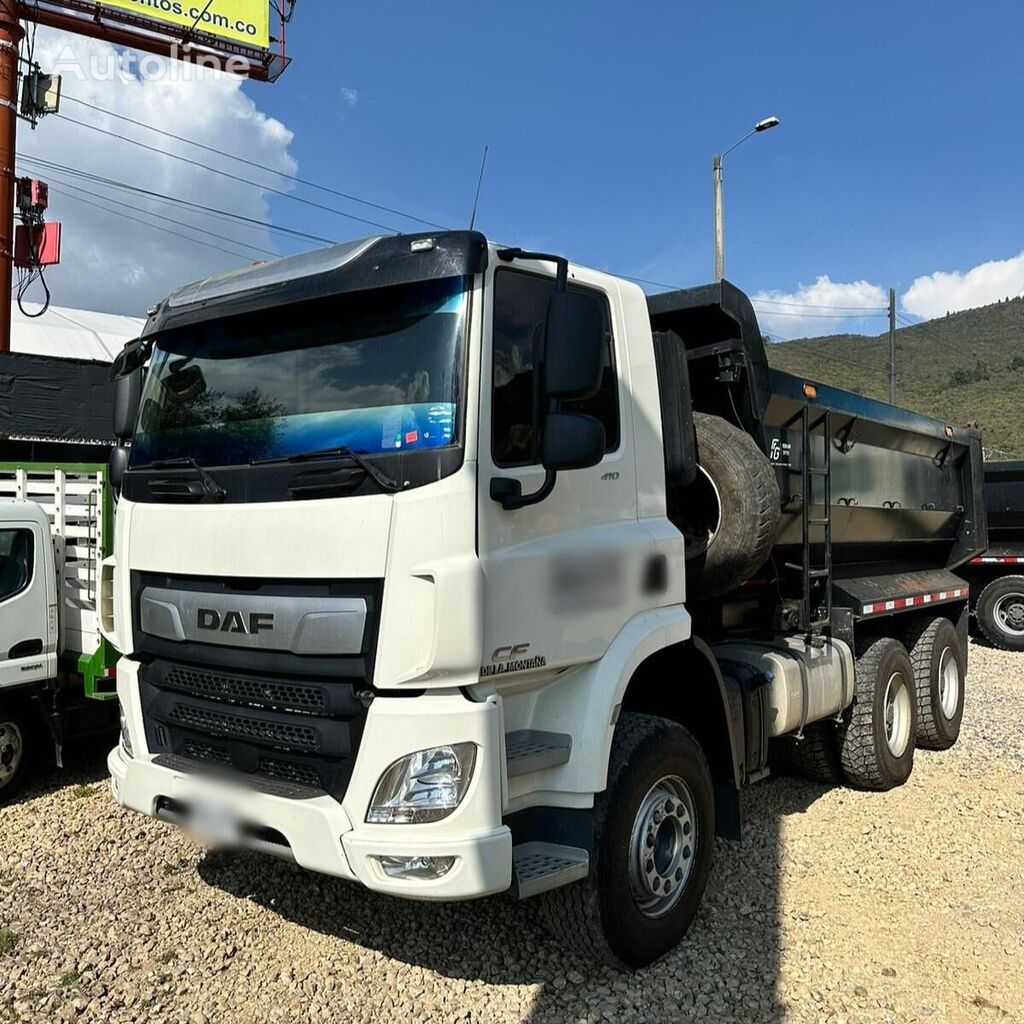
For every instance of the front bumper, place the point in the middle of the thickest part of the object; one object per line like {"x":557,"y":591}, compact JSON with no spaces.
{"x":323,"y":835}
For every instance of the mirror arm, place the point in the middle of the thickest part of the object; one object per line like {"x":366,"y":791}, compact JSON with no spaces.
{"x":561,"y":263}
{"x":509,"y":491}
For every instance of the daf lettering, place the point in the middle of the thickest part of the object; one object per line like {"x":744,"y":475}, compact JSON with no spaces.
{"x":234,"y":622}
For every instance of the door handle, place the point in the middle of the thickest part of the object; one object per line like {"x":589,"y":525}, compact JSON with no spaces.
{"x":25,"y":649}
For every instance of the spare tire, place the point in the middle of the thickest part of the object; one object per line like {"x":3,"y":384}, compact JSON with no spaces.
{"x":730,"y":514}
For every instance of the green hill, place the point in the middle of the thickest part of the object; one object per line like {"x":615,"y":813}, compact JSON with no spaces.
{"x":964,"y":368}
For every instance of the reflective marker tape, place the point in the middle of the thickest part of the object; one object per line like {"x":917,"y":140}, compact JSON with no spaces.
{"x":901,"y":603}
{"x":998,"y":560}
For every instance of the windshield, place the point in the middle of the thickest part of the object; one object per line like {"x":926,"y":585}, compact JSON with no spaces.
{"x":376,"y":371}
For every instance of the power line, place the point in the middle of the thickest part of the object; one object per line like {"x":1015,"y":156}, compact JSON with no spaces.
{"x":232,"y":177}
{"x":64,"y":184}
{"x":255,"y":164}
{"x":155,"y":227}
{"x":214,"y":211}
{"x":822,"y":316}
{"x":813,"y":305}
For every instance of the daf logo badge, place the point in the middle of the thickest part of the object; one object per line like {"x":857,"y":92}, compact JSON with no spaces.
{"x":234,"y":622}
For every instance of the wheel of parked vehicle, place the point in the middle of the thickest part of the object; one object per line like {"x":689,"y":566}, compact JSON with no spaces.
{"x":877,"y":733}
{"x":940,"y":668}
{"x":730,"y":514}
{"x":816,"y":755}
{"x":1000,"y":612}
{"x":15,"y":749}
{"x":654,"y":830}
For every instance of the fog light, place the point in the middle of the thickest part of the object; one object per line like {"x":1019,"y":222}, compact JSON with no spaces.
{"x":126,"y":739}
{"x":425,"y":786}
{"x":424,"y":868}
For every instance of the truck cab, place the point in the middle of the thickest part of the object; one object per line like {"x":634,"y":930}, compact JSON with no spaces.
{"x":28,"y":598}
{"x":401,"y":599}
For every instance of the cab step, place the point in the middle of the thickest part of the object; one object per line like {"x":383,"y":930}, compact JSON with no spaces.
{"x":531,"y":750}
{"x":537,"y":867}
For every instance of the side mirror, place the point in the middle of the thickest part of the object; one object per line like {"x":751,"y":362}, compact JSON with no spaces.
{"x":131,"y":358}
{"x":571,"y":441}
{"x":127,"y":397}
{"x":116,"y":466}
{"x":573,"y":346}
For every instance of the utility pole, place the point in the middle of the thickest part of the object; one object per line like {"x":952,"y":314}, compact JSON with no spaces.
{"x":10,"y":37}
{"x":892,"y":346}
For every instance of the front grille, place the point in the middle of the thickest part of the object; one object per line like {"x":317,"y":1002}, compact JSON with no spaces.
{"x":284,"y":731}
{"x":270,"y":767}
{"x":219,"y":723}
{"x":270,"y":693}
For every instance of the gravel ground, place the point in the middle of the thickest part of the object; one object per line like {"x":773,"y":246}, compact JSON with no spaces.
{"x":838,"y":906}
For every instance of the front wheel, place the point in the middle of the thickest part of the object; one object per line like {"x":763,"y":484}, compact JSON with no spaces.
{"x":15,"y":748}
{"x":654,"y":830}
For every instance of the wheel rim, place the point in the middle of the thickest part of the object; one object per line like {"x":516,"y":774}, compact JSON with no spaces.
{"x":897,"y":714}
{"x":1009,"y":613}
{"x":663,"y":846}
{"x":701,"y":519}
{"x":949,"y":682}
{"x":12,"y":749}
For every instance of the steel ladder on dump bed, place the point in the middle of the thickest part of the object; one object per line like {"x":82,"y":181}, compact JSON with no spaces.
{"x":815,"y":566}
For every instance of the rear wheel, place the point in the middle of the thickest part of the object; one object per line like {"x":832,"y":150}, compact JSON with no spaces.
{"x":877,"y":732}
{"x":15,"y":748}
{"x":939,"y":660}
{"x":816,"y":755}
{"x":654,"y":829}
{"x":1000,"y":612}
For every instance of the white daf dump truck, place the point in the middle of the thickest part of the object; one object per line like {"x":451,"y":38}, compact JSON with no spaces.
{"x":452,"y":569}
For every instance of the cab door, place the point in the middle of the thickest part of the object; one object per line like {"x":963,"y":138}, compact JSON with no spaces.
{"x":562,"y":576}
{"x":28,"y":609}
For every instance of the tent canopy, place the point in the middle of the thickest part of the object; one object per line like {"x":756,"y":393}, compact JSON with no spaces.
{"x":72,"y":333}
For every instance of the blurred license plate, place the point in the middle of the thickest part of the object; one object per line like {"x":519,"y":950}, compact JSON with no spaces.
{"x":214,"y":823}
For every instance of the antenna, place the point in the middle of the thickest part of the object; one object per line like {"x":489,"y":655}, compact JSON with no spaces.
{"x":479,"y":183}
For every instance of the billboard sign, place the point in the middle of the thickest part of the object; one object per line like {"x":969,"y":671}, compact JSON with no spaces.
{"x":241,"y":21}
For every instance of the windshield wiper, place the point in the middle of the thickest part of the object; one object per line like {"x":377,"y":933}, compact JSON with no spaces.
{"x":213,"y":489}
{"x":380,"y":478}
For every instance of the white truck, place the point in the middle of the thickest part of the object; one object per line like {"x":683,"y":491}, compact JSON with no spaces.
{"x":453,"y":569}
{"x":56,"y":668}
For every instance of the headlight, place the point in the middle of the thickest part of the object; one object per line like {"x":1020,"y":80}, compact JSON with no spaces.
{"x":425,"y":786}
{"x":126,"y":739}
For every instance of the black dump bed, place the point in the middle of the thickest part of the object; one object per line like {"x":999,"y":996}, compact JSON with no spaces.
{"x":1004,"y":500}
{"x":906,"y":490}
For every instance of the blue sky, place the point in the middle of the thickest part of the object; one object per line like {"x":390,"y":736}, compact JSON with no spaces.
{"x":899,"y":152}
{"x":897,"y":164}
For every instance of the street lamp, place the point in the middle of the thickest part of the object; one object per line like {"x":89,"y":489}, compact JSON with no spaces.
{"x":761,"y":126}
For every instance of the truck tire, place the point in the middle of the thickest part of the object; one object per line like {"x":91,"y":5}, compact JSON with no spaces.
{"x":1000,"y":612}
{"x":16,"y":743}
{"x":731,"y":513}
{"x":816,"y":755}
{"x":878,"y":730}
{"x":654,"y":833}
{"x":940,"y":668}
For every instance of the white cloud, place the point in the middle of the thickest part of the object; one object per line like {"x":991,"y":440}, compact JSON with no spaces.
{"x":948,"y":291}
{"x":824,"y":307}
{"x":349,"y":95}
{"x":113,"y":264}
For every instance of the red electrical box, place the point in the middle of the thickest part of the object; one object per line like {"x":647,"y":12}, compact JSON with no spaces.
{"x":47,"y":245}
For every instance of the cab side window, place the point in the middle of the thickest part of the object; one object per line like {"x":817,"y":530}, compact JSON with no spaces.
{"x":16,"y":551}
{"x":520,"y":309}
